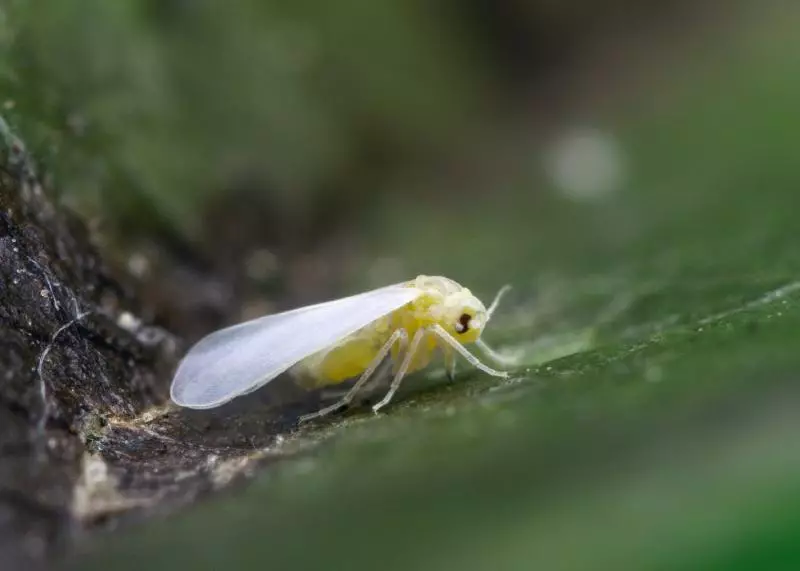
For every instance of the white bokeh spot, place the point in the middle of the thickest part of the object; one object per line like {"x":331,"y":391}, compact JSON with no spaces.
{"x":586,"y":164}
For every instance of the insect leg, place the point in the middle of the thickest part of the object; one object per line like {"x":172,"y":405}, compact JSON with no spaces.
{"x":474,"y":361}
{"x":496,"y":301}
{"x":494,"y":355}
{"x":401,"y":372}
{"x":450,"y":364}
{"x":399,"y":335}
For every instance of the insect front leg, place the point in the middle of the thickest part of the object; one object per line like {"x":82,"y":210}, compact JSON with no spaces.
{"x":495,"y":356}
{"x":440,"y":332}
{"x":401,"y":372}
{"x":399,"y":336}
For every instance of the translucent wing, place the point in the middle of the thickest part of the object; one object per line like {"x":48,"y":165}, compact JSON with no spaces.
{"x":242,"y":358}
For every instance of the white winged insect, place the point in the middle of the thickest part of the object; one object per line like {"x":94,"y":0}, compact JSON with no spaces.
{"x":328,"y":343}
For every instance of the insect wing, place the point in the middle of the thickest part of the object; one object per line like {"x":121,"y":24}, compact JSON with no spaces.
{"x":242,"y":358}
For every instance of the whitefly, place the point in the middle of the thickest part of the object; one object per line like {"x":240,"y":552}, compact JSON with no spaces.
{"x":328,"y":343}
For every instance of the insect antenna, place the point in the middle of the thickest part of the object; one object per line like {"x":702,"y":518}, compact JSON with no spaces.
{"x":496,"y":301}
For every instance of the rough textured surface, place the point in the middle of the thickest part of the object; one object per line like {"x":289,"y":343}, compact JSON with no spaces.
{"x":68,"y":362}
{"x":82,"y":439}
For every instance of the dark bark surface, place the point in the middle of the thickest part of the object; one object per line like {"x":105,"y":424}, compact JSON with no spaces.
{"x":87,"y":439}
{"x":70,"y":358}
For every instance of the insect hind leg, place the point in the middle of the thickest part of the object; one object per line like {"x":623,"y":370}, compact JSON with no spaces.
{"x":399,"y":336}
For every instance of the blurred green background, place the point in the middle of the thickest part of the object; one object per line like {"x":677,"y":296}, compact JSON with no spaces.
{"x":630,"y":167}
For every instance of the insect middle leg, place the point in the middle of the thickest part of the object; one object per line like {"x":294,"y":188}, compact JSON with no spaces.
{"x":450,"y":364}
{"x":401,"y":372}
{"x":399,"y":336}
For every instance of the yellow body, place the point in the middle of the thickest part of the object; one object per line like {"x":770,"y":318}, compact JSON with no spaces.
{"x":441,"y":301}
